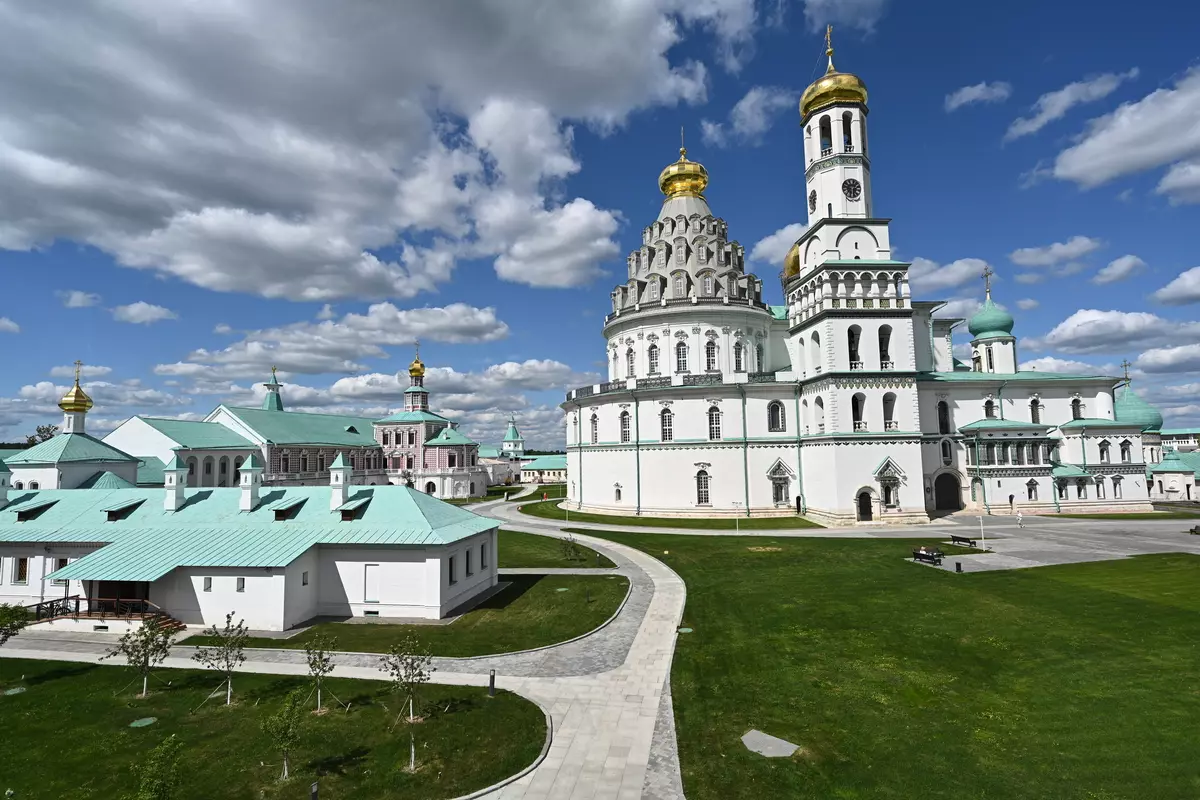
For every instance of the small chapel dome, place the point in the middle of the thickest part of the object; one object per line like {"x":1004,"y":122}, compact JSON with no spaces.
{"x":683,"y":178}
{"x":1131,"y":408}
{"x":991,"y":321}
{"x":832,"y":87}
{"x":76,"y":399}
{"x":417,"y":368}
{"x":791,"y":262}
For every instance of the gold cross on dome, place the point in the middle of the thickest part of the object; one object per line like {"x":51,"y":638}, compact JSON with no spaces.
{"x":987,"y":279}
{"x":273,"y":378}
{"x":828,"y":40}
{"x":78,"y":369}
{"x":1125,"y":365}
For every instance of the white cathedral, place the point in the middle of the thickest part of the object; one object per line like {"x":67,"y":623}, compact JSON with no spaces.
{"x":846,"y":404}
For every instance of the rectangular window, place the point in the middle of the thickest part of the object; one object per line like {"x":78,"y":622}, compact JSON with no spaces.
{"x":20,"y":573}
{"x":468,"y":565}
{"x":1081,"y":490}
{"x":451,"y":571}
{"x":60,"y":563}
{"x":1116,"y":490}
{"x":1099,"y":490}
{"x":483,"y":562}
{"x":304,"y":578}
{"x":241,"y":584}
{"x":208,"y":584}
{"x":1003,"y":453}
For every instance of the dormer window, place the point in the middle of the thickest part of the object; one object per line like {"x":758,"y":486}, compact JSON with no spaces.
{"x":119,"y":511}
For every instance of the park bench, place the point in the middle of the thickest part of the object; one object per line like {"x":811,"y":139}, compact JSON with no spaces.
{"x":963,"y":540}
{"x":929,"y":556}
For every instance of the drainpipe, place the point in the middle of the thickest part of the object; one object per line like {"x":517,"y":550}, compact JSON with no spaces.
{"x":579,"y":447}
{"x":982,"y":481}
{"x":799,"y":469}
{"x":745,"y":450}
{"x":1000,"y":397}
{"x":637,"y":449}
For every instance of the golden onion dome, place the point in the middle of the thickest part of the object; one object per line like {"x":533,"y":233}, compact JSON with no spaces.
{"x":76,"y":399}
{"x":417,"y":368}
{"x":791,"y":262}
{"x":832,"y":87}
{"x":683,"y":178}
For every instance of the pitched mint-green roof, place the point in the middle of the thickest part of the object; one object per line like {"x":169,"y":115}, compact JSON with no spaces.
{"x":296,"y":427}
{"x":1171,"y":462}
{"x":489,"y":451}
{"x":175,"y":464}
{"x":1005,"y":424}
{"x":511,"y":434}
{"x":1180,"y":431}
{"x":448,"y":436}
{"x":199,"y":435}
{"x":272,"y":401}
{"x":1097,"y":423}
{"x":1002,"y":377}
{"x":209,"y":530}
{"x":150,"y":472}
{"x":105,"y":480}
{"x":251,"y":463}
{"x":1068,"y":471}
{"x":1192,"y":459}
{"x":778,"y":312}
{"x":66,"y":448}
{"x":1130,"y":407}
{"x":4,"y":467}
{"x":414,"y":416}
{"x":990,"y":322}
{"x":546,"y":463}
{"x":339,"y":462}
{"x":416,"y":390}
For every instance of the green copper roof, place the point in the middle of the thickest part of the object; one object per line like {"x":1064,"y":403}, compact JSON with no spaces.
{"x":1096,"y":423}
{"x":339,"y":462}
{"x":175,"y":464}
{"x":1131,"y":408}
{"x":1171,"y":462}
{"x":416,"y":390}
{"x":414,"y":416}
{"x":448,"y":436}
{"x":4,"y":467}
{"x":296,"y":427}
{"x":489,"y":451}
{"x":1002,"y":377}
{"x":1002,"y":424}
{"x":67,"y":448}
{"x":199,"y":435}
{"x":778,"y":312}
{"x":272,"y":401}
{"x":546,"y":462}
{"x":251,"y":464}
{"x":1180,"y":431}
{"x":990,"y":321}
{"x":105,"y":480}
{"x":1068,"y":471}
{"x":209,"y":530}
{"x":511,"y":434}
{"x":1192,"y":459}
{"x":150,"y":472}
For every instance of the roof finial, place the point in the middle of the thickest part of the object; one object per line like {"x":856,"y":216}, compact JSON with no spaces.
{"x":682,"y":147}
{"x":829,"y":46}
{"x":987,"y":280}
{"x":1125,"y":365}
{"x":417,"y":345}
{"x":78,"y":369}
{"x":273,"y":378}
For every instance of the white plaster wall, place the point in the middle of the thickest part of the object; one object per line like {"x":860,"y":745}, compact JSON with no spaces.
{"x":726,"y":325}
{"x":46,"y":477}
{"x":300,"y":602}
{"x":42,"y":559}
{"x":136,"y":437}
{"x":181,"y":594}
{"x":405,"y":589}
{"x":465,"y":586}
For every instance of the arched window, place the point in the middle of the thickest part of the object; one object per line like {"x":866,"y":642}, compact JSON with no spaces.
{"x":667,"y":423}
{"x":1099,"y":487}
{"x":759,"y":362}
{"x":989,"y":409}
{"x":739,"y":361}
{"x":714,"y":423}
{"x":829,"y":209}
{"x":857,"y":408}
{"x":630,"y":362}
{"x":652,"y":359}
{"x":991,"y":359}
{"x":885,"y":347}
{"x":708,"y":285}
{"x":624,"y":426}
{"x":1104,"y":453}
{"x":775,"y":417}
{"x":1080,"y":489}
{"x":430,"y":487}
{"x":1126,"y":454}
{"x":19,"y":485}
{"x":1035,"y":411}
{"x":947,"y":453}
{"x":702,"y":498}
{"x":826,"y":129}
{"x":1031,"y":491}
{"x":710,"y":356}
{"x":284,"y":462}
{"x":320,"y":462}
{"x":679,"y":287}
{"x":816,"y":353}
{"x":654,"y":290}
{"x":847,"y":127}
{"x":34,"y":486}
{"x":989,"y":454}
{"x":237,"y":469}
{"x":1116,"y":487}
{"x":819,"y":414}
{"x":681,"y":364}
{"x":595,"y":429}
{"x":853,"y":337}
{"x":943,"y":414}
{"x":617,"y":494}
{"x":889,"y":412}
{"x":1076,"y":409}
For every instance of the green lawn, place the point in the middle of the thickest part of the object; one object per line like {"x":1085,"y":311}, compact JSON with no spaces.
{"x":551,"y":490}
{"x":530,"y":550}
{"x":549,"y":510}
{"x":68,"y":735}
{"x":500,"y":491}
{"x":530,"y":612}
{"x":900,"y":681}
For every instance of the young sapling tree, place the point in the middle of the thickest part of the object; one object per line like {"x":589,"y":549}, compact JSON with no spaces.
{"x":227,"y":653}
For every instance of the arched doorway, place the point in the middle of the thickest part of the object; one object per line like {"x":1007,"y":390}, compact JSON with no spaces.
{"x":864,"y":506}
{"x":947,"y":493}
{"x":430,"y":488}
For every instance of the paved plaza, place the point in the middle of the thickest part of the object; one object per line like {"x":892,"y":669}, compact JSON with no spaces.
{"x":608,"y":694}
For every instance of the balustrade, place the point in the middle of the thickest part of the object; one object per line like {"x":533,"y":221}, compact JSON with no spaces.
{"x":891,"y":425}
{"x":887,"y":364}
{"x":856,"y":365}
{"x":860,"y":426}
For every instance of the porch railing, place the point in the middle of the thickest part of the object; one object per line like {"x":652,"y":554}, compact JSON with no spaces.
{"x":76,"y":606}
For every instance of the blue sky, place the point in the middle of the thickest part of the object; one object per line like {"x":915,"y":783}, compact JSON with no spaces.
{"x":189,"y":197}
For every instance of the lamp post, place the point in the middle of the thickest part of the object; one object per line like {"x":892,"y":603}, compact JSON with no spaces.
{"x":982,"y":537}
{"x":737,"y":525}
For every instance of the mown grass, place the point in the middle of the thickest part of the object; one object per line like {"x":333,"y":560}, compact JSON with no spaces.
{"x":549,"y":510}
{"x":68,"y":735}
{"x":550,"y":490}
{"x":529,"y":612}
{"x":519,"y":550}
{"x":900,"y":681}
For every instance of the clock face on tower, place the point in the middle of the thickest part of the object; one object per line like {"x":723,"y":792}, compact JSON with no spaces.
{"x":812,"y":200}
{"x":851,"y":188}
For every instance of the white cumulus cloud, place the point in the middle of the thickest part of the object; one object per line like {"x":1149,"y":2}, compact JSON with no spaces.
{"x":8,"y":326}
{"x":773,"y":248}
{"x":142,"y":313}
{"x":750,"y":117}
{"x":982,"y":92}
{"x":1057,"y":253}
{"x":1184,"y":289}
{"x":928,"y":276}
{"x":1055,"y":105}
{"x":1119,"y":269}
{"x":74,"y":298}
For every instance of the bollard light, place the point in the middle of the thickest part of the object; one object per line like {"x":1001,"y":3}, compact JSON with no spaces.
{"x":958,"y":566}
{"x":313,"y":791}
{"x":492,"y":683}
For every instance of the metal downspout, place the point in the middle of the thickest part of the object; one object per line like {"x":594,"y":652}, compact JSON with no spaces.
{"x":637,"y":448}
{"x":982,"y":480}
{"x":745,"y":450}
{"x":799,"y":469}
{"x":579,"y":444}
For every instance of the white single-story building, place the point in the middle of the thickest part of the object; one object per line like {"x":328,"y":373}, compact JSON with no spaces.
{"x":274,"y":556}
{"x":545,"y":469}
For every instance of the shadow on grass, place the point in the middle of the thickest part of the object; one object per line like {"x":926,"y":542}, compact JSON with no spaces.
{"x":59,"y":673}
{"x":339,"y":764}
{"x":517,"y":586}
